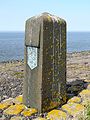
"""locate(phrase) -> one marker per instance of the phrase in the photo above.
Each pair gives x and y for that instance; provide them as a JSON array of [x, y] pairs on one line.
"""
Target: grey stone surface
[[45, 84]]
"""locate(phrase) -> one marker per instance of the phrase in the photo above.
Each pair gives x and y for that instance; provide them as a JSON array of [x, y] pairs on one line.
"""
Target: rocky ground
[[11, 79], [12, 74], [78, 70], [78, 73]]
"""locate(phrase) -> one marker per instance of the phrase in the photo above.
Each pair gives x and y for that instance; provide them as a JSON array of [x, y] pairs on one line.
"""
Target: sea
[[12, 44]]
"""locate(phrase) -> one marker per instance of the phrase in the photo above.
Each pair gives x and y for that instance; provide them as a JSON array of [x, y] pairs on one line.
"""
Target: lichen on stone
[[85, 94], [4, 106], [75, 99], [56, 115], [14, 109], [73, 108], [29, 111], [18, 99]]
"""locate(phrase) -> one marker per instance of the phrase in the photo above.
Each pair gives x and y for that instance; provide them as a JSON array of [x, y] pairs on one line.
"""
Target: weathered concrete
[[45, 62]]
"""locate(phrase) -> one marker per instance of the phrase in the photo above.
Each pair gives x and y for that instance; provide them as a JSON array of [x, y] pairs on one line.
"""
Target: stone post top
[[47, 17]]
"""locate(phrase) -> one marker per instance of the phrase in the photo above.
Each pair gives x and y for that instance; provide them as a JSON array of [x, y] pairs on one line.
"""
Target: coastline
[[68, 53], [12, 74]]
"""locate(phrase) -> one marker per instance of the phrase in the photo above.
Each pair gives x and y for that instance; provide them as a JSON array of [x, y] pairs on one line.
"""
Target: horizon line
[[24, 31]]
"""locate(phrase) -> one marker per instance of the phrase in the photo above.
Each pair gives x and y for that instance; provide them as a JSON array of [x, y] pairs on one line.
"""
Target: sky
[[14, 13]]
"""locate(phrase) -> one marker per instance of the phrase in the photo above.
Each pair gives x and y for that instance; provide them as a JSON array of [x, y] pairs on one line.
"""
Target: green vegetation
[[88, 112], [86, 115]]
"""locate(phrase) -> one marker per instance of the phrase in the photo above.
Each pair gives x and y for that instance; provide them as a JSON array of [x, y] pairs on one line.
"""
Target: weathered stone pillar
[[45, 62]]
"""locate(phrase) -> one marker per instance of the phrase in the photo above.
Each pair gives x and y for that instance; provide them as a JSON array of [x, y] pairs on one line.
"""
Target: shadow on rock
[[75, 87]]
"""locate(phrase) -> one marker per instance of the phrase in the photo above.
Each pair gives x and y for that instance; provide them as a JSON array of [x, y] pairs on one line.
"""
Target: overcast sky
[[14, 13]]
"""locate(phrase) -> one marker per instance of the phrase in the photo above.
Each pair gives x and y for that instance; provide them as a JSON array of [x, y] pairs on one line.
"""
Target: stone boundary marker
[[45, 62]]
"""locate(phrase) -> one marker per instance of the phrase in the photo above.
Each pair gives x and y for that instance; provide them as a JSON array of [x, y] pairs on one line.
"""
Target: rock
[[85, 94], [88, 87], [3, 117], [16, 118], [75, 99], [18, 99], [75, 88], [39, 118], [14, 109], [70, 95], [6, 103], [73, 109], [86, 102], [28, 112], [56, 115]]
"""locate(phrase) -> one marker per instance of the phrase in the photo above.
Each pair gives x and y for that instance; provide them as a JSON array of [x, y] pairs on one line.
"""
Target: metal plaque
[[32, 57]]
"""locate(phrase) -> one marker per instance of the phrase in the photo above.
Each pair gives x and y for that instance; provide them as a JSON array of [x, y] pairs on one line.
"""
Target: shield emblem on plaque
[[32, 57]]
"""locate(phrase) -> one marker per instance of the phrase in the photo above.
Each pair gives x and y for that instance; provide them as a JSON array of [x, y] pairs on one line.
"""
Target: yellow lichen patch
[[28, 112], [18, 99], [56, 115], [75, 100], [14, 109], [85, 94], [73, 108], [4, 105], [16, 118], [39, 118]]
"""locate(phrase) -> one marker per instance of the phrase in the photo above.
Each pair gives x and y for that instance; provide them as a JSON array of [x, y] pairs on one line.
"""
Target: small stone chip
[[9, 101], [28, 112], [75, 100], [39, 118], [87, 81], [85, 94], [16, 118], [73, 108], [14, 109], [56, 115]]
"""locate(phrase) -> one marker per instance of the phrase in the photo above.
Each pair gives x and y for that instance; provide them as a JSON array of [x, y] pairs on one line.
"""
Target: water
[[12, 44], [78, 41]]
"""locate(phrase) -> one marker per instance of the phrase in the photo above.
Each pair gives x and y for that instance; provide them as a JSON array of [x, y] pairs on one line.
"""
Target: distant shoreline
[[12, 44], [75, 52], [22, 60], [12, 61]]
